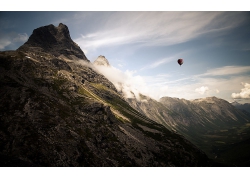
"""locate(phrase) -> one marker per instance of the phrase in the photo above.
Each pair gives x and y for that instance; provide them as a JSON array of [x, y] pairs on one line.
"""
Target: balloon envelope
[[180, 61]]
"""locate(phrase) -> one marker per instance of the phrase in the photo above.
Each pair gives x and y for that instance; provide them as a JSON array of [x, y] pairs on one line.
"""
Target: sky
[[144, 47]]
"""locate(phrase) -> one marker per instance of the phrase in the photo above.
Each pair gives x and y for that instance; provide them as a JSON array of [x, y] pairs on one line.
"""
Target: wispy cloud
[[12, 38], [4, 43], [165, 60], [157, 28], [21, 37], [227, 70], [157, 63]]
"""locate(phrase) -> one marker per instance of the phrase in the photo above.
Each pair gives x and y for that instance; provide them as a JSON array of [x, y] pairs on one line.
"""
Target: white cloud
[[202, 89], [244, 94], [217, 91], [227, 70], [130, 84]]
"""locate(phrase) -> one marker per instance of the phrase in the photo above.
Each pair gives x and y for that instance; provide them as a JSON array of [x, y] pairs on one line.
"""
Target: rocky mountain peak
[[213, 100], [53, 40], [101, 61], [235, 103]]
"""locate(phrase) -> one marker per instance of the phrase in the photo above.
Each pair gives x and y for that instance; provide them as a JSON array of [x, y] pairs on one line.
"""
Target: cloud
[[202, 89], [193, 87], [4, 43], [227, 70], [126, 82], [11, 39], [158, 63], [131, 84], [156, 28], [244, 94], [164, 60], [22, 37]]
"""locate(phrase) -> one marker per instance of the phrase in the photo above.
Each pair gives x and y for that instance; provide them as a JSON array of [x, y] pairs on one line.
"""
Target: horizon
[[145, 47]]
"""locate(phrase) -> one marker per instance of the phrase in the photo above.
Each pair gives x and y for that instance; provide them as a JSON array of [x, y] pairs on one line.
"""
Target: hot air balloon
[[180, 61]]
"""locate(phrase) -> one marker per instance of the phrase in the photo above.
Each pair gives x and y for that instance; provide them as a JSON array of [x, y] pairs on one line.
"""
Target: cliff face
[[57, 111]]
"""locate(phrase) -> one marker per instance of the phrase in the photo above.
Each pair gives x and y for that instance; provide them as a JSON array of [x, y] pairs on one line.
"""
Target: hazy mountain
[[56, 110], [212, 124], [210, 112], [101, 61], [245, 106]]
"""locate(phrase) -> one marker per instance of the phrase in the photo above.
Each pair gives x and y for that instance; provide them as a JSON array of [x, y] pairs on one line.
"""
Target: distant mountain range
[[245, 106]]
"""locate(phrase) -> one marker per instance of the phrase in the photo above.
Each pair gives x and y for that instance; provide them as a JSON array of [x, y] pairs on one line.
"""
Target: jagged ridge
[[53, 40]]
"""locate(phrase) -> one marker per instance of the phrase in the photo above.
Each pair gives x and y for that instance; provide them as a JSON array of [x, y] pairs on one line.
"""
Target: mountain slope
[[57, 111], [212, 124], [245, 107]]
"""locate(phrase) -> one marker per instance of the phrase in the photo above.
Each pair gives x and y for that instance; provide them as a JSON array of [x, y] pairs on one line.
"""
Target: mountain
[[56, 110], [101, 61], [55, 41], [204, 113], [245, 107], [212, 124]]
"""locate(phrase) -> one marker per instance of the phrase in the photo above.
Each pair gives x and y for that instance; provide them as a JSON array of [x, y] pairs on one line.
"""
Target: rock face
[[101, 61], [60, 112], [53, 40]]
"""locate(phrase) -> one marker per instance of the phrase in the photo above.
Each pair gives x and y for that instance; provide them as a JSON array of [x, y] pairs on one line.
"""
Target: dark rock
[[61, 65], [53, 40]]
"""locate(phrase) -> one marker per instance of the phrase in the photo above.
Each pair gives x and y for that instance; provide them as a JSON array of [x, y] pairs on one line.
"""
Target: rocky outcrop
[[53, 40], [101, 61]]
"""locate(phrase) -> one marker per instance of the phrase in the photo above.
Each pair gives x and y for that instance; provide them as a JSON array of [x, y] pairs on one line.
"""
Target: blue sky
[[145, 46]]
